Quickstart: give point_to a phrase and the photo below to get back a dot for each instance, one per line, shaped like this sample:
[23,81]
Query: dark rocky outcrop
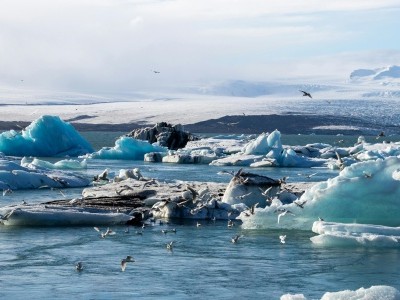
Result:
[171,136]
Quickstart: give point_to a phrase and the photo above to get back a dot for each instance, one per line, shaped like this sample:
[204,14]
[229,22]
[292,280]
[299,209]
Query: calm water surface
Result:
[39,263]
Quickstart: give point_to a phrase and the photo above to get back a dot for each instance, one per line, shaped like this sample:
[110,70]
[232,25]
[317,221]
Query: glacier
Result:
[47,136]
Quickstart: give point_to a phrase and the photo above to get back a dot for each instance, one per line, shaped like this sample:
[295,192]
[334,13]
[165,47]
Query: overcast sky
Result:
[114,45]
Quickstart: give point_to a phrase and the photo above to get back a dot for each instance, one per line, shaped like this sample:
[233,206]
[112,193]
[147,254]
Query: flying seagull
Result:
[124,261]
[306,93]
[282,238]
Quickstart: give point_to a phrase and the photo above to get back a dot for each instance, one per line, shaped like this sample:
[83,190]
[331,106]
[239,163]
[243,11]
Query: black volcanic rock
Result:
[171,136]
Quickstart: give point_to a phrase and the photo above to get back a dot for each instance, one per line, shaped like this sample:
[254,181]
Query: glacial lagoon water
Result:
[39,263]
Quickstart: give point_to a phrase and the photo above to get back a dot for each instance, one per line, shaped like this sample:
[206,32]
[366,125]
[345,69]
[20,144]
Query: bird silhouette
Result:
[306,93]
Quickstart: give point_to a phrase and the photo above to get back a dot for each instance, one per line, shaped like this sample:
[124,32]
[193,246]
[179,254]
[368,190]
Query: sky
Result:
[115,45]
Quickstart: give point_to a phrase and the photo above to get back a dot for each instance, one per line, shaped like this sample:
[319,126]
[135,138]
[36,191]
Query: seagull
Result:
[235,239]
[266,192]
[170,245]
[306,93]
[7,192]
[241,197]
[102,176]
[320,219]
[104,234]
[156,72]
[79,266]
[283,180]
[284,212]
[367,175]
[282,238]
[198,224]
[381,134]
[230,223]
[340,161]
[311,175]
[300,204]
[124,261]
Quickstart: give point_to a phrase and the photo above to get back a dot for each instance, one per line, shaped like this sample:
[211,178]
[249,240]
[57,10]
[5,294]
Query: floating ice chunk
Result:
[382,292]
[14,176]
[62,164]
[47,136]
[43,215]
[339,234]
[267,151]
[374,292]
[127,148]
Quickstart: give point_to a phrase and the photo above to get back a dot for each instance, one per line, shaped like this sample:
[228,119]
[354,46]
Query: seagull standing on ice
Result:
[124,261]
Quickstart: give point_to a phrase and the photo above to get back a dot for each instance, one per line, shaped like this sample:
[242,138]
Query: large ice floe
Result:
[376,292]
[14,176]
[45,137]
[45,215]
[366,193]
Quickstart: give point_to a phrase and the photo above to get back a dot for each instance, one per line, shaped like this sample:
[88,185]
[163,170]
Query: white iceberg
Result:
[366,235]
[13,176]
[47,136]
[65,164]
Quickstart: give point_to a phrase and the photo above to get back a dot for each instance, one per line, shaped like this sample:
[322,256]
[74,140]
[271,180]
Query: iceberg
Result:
[366,235]
[365,193]
[127,148]
[46,137]
[267,151]
[65,164]
[14,176]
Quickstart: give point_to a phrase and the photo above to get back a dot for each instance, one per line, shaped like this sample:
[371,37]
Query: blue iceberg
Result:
[46,137]
[127,148]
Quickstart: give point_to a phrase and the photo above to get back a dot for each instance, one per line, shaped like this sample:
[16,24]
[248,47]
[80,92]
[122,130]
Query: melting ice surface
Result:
[47,136]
